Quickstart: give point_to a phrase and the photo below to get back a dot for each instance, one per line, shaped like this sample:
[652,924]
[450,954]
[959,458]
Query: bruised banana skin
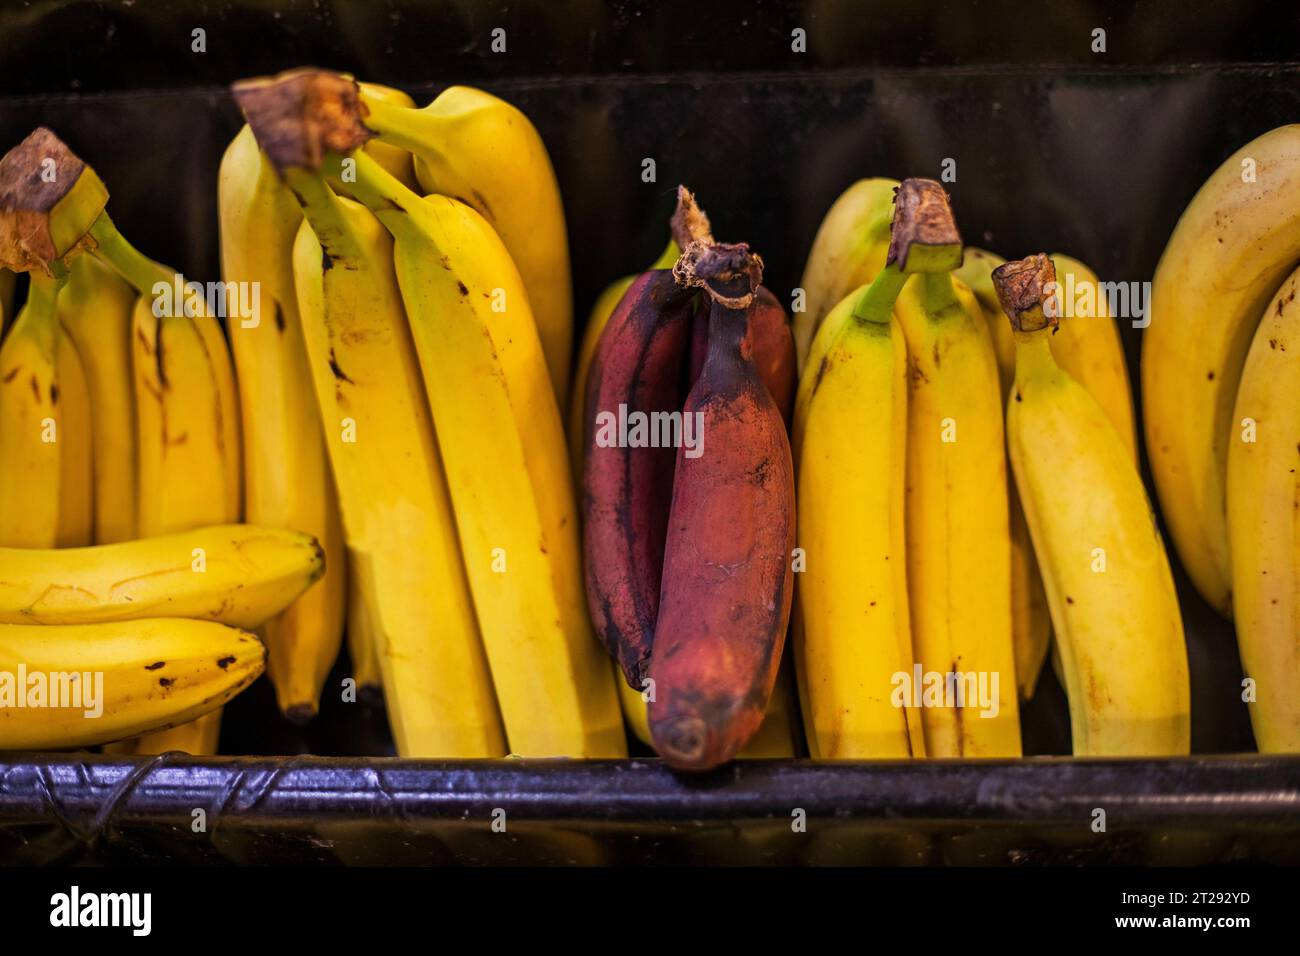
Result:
[246,576]
[771,342]
[1264,522]
[627,492]
[156,673]
[1119,631]
[727,581]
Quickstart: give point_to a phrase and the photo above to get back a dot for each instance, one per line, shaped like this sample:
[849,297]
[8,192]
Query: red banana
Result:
[727,584]
[770,340]
[627,491]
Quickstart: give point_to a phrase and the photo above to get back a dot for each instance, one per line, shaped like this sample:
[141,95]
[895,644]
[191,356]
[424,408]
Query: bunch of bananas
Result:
[1221,409]
[934,583]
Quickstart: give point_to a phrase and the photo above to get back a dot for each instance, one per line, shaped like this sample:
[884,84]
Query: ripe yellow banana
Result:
[600,313]
[76,461]
[1237,240]
[1264,522]
[397,515]
[287,480]
[1114,610]
[95,309]
[499,430]
[848,251]
[483,151]
[240,575]
[437,689]
[116,679]
[362,636]
[35,432]
[854,634]
[958,527]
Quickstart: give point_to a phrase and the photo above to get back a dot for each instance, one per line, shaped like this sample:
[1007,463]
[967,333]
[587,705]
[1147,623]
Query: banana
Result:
[1237,240]
[1111,593]
[76,462]
[287,479]
[501,437]
[605,305]
[397,515]
[102,682]
[1087,346]
[849,249]
[958,528]
[1264,522]
[240,575]
[854,634]
[36,434]
[727,578]
[481,150]
[95,309]
[362,636]
[395,160]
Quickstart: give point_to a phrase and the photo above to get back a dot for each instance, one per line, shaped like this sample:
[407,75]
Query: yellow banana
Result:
[848,251]
[240,575]
[1237,240]
[501,437]
[397,161]
[95,309]
[958,528]
[76,461]
[854,635]
[397,517]
[1114,610]
[1087,346]
[606,302]
[362,637]
[116,679]
[36,435]
[1264,522]
[483,151]
[287,479]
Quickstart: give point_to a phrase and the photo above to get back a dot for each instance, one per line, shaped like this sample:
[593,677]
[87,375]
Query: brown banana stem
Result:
[1027,291]
[301,115]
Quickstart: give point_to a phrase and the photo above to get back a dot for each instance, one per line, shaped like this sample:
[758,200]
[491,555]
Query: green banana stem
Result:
[938,293]
[323,210]
[136,268]
[40,312]
[876,304]
[396,206]
[399,125]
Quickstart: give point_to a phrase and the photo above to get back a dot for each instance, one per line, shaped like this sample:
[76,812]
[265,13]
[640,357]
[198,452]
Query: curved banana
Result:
[1114,610]
[240,575]
[362,635]
[848,251]
[76,462]
[1237,240]
[95,309]
[437,689]
[117,679]
[36,435]
[854,634]
[287,479]
[501,437]
[596,322]
[958,524]
[481,150]
[1264,522]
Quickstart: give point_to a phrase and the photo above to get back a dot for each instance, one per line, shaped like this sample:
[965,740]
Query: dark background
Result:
[1057,148]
